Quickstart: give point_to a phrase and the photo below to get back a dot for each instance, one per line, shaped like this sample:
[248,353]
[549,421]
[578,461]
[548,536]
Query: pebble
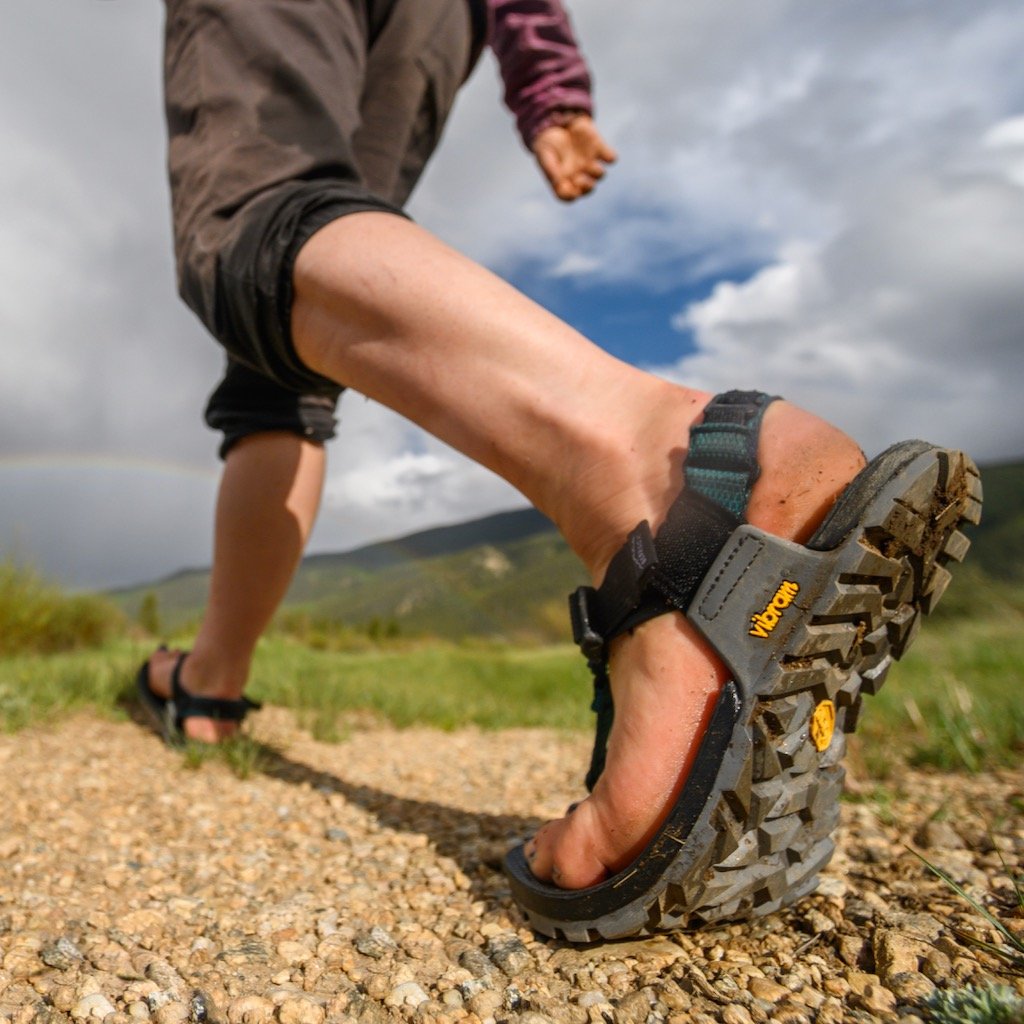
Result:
[406,994]
[377,943]
[509,953]
[250,1009]
[300,1011]
[174,1012]
[94,1006]
[62,955]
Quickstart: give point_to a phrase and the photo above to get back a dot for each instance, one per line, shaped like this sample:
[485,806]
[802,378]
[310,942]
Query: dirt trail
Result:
[360,881]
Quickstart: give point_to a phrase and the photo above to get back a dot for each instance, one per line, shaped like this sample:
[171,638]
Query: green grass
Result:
[35,688]
[439,684]
[953,703]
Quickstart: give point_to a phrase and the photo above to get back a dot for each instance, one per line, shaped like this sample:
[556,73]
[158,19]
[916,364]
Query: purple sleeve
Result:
[541,65]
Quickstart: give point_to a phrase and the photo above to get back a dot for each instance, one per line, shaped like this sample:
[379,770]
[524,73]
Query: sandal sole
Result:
[806,632]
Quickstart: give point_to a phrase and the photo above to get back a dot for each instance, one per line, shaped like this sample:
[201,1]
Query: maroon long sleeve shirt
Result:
[544,72]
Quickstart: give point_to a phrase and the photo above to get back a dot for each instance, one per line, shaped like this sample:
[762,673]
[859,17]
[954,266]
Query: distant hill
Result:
[998,544]
[509,574]
[505,574]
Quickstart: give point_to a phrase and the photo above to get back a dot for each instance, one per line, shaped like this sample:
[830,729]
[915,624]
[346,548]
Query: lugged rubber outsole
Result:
[806,632]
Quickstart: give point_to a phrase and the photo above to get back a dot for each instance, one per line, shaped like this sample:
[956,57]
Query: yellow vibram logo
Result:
[823,724]
[764,622]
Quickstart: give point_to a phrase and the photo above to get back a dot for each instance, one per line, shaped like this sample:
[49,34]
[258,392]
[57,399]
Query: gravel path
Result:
[360,881]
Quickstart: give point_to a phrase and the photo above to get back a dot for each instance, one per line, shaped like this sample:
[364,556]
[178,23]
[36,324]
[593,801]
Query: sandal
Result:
[168,715]
[805,630]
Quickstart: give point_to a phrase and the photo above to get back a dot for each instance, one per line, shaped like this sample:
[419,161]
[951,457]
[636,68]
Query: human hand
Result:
[572,156]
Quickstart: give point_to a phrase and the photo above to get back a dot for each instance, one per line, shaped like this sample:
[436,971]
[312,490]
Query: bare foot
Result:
[203,730]
[665,678]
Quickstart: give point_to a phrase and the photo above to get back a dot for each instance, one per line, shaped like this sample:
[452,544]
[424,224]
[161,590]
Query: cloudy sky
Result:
[823,199]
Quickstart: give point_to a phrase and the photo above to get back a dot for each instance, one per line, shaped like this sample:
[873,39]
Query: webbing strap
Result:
[722,461]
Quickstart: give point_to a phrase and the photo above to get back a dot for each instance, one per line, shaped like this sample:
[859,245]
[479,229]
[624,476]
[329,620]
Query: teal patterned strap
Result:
[722,461]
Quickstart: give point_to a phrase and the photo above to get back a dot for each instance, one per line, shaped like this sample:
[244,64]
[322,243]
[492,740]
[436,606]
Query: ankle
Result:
[627,468]
[805,465]
[204,675]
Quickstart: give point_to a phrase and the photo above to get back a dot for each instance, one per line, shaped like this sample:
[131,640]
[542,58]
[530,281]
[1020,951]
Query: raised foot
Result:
[757,834]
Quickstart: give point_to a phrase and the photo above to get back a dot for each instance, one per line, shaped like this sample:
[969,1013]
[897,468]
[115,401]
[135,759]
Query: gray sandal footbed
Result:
[805,631]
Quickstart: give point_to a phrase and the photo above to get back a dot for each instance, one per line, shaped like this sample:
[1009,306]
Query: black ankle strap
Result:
[187,705]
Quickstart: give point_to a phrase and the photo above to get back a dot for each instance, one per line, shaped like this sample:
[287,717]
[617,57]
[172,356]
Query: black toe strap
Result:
[654,575]
[187,705]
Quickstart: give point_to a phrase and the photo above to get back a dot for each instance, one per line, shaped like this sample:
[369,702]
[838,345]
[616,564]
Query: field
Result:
[953,703]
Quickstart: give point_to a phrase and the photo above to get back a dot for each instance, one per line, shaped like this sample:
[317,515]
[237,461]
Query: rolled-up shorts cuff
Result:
[246,403]
[254,290]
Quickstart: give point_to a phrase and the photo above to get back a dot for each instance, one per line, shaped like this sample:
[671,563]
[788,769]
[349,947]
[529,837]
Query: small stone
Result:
[509,954]
[819,923]
[293,953]
[486,1003]
[175,1012]
[513,1000]
[300,1011]
[832,888]
[910,987]
[876,999]
[250,1010]
[470,988]
[407,994]
[92,1007]
[161,972]
[769,991]
[736,1014]
[633,1008]
[790,1015]
[158,999]
[337,835]
[858,911]
[859,982]
[376,943]
[937,967]
[62,955]
[476,963]
[895,953]
[938,835]
[199,1007]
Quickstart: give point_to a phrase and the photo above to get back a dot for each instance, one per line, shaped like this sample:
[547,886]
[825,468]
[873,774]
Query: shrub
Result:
[36,618]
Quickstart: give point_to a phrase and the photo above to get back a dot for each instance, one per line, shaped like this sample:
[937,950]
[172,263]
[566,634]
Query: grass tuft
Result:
[1009,947]
[243,755]
[988,1004]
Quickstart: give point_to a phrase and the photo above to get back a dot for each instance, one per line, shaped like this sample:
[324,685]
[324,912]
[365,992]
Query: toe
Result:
[563,853]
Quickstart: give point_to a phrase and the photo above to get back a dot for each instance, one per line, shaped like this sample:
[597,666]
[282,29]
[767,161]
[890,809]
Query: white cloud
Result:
[906,322]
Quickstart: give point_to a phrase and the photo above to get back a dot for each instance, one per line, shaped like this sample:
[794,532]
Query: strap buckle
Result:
[584,635]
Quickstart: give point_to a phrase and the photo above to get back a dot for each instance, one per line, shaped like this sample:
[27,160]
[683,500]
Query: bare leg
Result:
[383,307]
[268,500]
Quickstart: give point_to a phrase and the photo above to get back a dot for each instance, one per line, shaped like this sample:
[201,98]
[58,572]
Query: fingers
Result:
[573,157]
